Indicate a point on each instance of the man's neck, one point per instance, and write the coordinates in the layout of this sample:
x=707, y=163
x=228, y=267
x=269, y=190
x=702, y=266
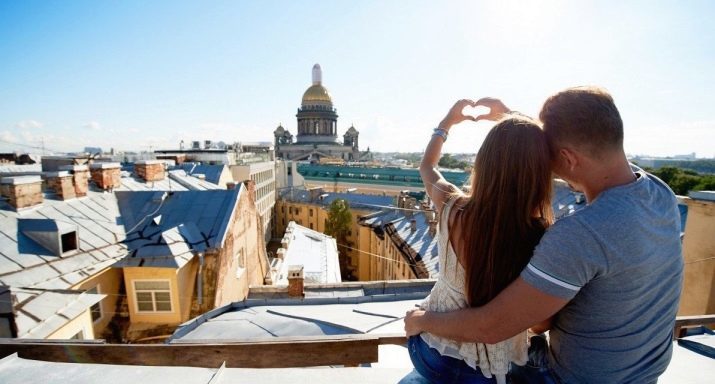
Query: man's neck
x=606, y=175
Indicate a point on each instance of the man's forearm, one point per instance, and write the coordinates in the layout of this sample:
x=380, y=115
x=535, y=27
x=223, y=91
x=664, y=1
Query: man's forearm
x=465, y=325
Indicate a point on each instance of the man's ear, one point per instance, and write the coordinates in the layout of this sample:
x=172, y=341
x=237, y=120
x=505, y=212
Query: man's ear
x=570, y=158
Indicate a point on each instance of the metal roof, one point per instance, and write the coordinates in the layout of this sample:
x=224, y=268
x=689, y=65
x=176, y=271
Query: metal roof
x=408, y=177
x=26, y=265
x=176, y=180
x=316, y=252
x=164, y=228
x=379, y=311
x=212, y=172
x=20, y=169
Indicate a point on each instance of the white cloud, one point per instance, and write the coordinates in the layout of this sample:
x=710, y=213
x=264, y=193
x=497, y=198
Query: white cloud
x=29, y=124
x=93, y=125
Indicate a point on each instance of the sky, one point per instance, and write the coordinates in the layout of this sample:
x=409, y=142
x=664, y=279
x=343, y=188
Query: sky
x=138, y=75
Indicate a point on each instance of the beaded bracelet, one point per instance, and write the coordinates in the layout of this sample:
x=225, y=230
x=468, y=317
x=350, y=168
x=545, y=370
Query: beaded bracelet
x=441, y=133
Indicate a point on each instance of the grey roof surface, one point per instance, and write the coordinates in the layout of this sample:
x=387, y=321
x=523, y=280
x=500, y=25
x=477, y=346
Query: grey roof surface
x=176, y=180
x=316, y=252
x=20, y=169
x=394, y=367
x=212, y=172
x=43, y=312
x=379, y=311
x=421, y=241
x=16, y=370
x=24, y=263
x=163, y=228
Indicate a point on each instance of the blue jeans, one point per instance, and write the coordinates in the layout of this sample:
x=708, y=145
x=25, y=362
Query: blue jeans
x=536, y=370
x=442, y=369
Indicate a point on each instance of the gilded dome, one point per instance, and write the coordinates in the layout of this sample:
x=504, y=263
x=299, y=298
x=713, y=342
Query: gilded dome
x=316, y=93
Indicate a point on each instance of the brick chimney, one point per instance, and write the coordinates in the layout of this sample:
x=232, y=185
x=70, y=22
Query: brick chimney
x=61, y=183
x=150, y=170
x=106, y=175
x=80, y=178
x=295, y=281
x=433, y=227
x=231, y=185
x=22, y=191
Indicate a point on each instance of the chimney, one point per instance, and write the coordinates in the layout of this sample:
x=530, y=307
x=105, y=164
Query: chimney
x=413, y=225
x=61, y=183
x=150, y=170
x=80, y=178
x=433, y=227
x=231, y=185
x=106, y=175
x=22, y=191
x=295, y=281
x=281, y=253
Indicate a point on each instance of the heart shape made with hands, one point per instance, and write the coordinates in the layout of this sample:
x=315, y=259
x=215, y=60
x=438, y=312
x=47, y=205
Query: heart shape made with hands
x=475, y=110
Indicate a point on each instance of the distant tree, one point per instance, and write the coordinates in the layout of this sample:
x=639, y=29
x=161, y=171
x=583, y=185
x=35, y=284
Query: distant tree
x=682, y=181
x=447, y=161
x=338, y=225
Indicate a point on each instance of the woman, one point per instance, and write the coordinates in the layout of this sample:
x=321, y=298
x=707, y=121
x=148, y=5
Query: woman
x=486, y=238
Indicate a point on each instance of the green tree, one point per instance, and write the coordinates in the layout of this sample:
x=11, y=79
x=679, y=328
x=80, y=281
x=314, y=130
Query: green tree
x=338, y=225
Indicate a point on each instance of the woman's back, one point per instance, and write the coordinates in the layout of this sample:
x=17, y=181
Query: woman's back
x=448, y=294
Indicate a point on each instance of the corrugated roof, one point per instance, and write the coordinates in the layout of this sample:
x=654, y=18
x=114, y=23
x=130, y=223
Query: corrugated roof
x=20, y=169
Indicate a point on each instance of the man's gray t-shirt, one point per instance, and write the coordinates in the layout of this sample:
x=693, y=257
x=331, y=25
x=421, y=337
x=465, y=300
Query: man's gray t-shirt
x=619, y=262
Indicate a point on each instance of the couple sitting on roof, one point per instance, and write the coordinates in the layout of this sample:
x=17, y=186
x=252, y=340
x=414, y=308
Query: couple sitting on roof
x=604, y=281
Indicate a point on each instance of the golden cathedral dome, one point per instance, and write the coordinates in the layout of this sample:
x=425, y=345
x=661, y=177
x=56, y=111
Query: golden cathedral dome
x=316, y=93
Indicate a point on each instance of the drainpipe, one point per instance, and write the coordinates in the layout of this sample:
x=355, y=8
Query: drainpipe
x=199, y=281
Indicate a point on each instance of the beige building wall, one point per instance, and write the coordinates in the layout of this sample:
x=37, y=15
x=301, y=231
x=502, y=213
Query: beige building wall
x=264, y=175
x=107, y=282
x=78, y=328
x=698, y=296
x=133, y=274
x=371, y=259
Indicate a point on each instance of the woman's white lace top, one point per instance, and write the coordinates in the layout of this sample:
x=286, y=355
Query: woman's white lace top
x=448, y=294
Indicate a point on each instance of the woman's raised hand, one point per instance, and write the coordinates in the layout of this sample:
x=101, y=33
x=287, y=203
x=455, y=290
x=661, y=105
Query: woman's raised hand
x=497, y=109
x=456, y=114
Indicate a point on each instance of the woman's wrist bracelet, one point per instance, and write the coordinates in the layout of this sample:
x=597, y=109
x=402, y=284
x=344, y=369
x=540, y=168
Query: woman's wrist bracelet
x=441, y=133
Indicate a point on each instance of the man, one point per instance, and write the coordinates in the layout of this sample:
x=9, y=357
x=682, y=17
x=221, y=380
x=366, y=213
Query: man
x=610, y=274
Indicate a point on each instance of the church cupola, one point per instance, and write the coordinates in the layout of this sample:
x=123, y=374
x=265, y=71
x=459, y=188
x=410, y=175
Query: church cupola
x=317, y=119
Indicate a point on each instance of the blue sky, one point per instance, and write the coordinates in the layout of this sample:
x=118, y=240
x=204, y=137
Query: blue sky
x=138, y=75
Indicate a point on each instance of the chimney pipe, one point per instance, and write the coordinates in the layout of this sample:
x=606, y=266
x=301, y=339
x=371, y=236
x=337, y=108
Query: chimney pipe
x=150, y=170
x=295, y=281
x=80, y=178
x=61, y=183
x=22, y=191
x=106, y=175
x=413, y=225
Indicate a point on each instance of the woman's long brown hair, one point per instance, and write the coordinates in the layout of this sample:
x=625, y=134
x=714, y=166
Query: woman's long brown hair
x=508, y=209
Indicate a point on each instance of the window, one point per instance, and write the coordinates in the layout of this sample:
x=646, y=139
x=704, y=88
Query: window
x=311, y=212
x=241, y=261
x=152, y=295
x=96, y=309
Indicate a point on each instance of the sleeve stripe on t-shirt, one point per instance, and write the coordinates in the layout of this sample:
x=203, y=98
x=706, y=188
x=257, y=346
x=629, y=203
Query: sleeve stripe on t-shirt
x=552, y=279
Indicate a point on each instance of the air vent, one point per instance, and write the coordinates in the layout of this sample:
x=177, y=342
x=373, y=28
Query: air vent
x=58, y=237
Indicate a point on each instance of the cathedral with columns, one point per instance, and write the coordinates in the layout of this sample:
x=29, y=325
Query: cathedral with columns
x=317, y=136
